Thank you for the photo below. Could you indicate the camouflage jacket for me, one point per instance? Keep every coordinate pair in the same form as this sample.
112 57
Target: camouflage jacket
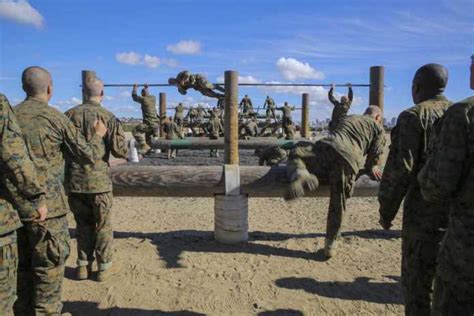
148 104
286 111
94 178
270 103
17 169
179 111
357 137
48 135
340 109
172 130
449 176
408 151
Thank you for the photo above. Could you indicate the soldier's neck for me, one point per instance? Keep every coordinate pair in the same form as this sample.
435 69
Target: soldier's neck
95 99
40 97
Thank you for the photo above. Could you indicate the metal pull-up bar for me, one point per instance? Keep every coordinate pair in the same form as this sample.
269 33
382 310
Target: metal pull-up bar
112 85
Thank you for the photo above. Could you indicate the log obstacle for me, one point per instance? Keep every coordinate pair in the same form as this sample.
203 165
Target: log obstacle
204 143
208 181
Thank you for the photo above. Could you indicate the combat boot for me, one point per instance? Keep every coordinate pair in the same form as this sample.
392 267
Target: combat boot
109 273
329 247
83 272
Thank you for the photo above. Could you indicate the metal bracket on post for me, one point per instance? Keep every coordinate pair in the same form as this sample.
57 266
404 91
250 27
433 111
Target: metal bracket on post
232 179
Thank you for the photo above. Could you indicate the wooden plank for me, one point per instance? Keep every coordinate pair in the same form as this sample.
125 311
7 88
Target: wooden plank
206 181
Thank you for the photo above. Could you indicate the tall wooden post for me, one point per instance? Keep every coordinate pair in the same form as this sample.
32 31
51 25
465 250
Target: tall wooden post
162 112
376 86
305 116
231 119
86 75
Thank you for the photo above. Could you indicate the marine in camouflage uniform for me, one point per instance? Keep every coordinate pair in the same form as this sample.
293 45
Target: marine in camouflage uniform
16 168
150 124
424 222
287 121
44 248
340 107
173 131
270 107
271 155
246 106
89 186
179 115
185 80
338 158
215 128
448 176
249 129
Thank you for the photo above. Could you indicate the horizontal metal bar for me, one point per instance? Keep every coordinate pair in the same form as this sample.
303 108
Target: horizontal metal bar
112 85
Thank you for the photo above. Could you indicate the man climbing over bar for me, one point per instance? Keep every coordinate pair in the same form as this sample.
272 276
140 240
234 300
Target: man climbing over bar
149 127
424 222
341 107
287 121
246 106
270 107
339 157
249 128
90 188
185 80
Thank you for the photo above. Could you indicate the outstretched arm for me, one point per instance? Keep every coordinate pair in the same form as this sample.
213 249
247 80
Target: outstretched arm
331 96
135 96
351 94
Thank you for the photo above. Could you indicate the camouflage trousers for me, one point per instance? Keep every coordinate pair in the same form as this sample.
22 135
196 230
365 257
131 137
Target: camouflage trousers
289 128
43 249
449 301
323 161
93 216
271 155
8 270
418 272
143 133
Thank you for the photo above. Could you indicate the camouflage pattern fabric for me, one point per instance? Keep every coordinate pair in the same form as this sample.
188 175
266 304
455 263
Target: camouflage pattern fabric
18 170
48 134
173 131
8 273
340 109
94 178
246 105
43 251
270 108
424 222
143 134
179 115
148 105
92 213
323 160
271 155
448 176
249 129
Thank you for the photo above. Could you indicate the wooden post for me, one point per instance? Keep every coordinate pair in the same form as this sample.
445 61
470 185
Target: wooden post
304 132
376 86
86 75
231 119
162 112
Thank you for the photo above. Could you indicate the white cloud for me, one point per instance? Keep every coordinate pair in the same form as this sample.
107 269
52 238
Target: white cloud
292 69
128 58
188 47
150 61
22 12
242 79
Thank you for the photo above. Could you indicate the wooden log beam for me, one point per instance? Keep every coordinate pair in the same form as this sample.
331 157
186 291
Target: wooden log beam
206 181
231 118
162 112
304 131
376 93
204 143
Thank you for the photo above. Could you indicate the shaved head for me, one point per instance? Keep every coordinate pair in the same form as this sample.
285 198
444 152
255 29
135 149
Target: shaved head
432 77
94 87
375 112
36 81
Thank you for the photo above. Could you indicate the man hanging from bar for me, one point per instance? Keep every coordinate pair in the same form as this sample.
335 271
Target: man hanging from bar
287 121
338 158
149 127
185 80
341 107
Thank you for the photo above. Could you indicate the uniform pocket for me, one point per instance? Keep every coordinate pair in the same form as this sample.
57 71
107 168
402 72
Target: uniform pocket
57 248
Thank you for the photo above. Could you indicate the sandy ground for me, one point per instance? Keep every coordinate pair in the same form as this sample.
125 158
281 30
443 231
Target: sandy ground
170 263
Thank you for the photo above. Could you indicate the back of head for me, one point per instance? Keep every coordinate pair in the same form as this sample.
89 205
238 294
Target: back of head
375 112
432 78
145 92
36 81
94 87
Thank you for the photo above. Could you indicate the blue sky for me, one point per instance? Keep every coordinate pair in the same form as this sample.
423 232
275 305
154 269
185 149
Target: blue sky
266 41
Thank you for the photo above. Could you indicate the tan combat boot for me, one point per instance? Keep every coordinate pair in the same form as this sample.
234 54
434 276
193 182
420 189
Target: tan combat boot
83 272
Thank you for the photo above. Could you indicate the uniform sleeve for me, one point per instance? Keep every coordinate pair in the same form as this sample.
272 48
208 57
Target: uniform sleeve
136 97
351 95
399 169
331 97
77 145
375 151
15 161
440 178
116 139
